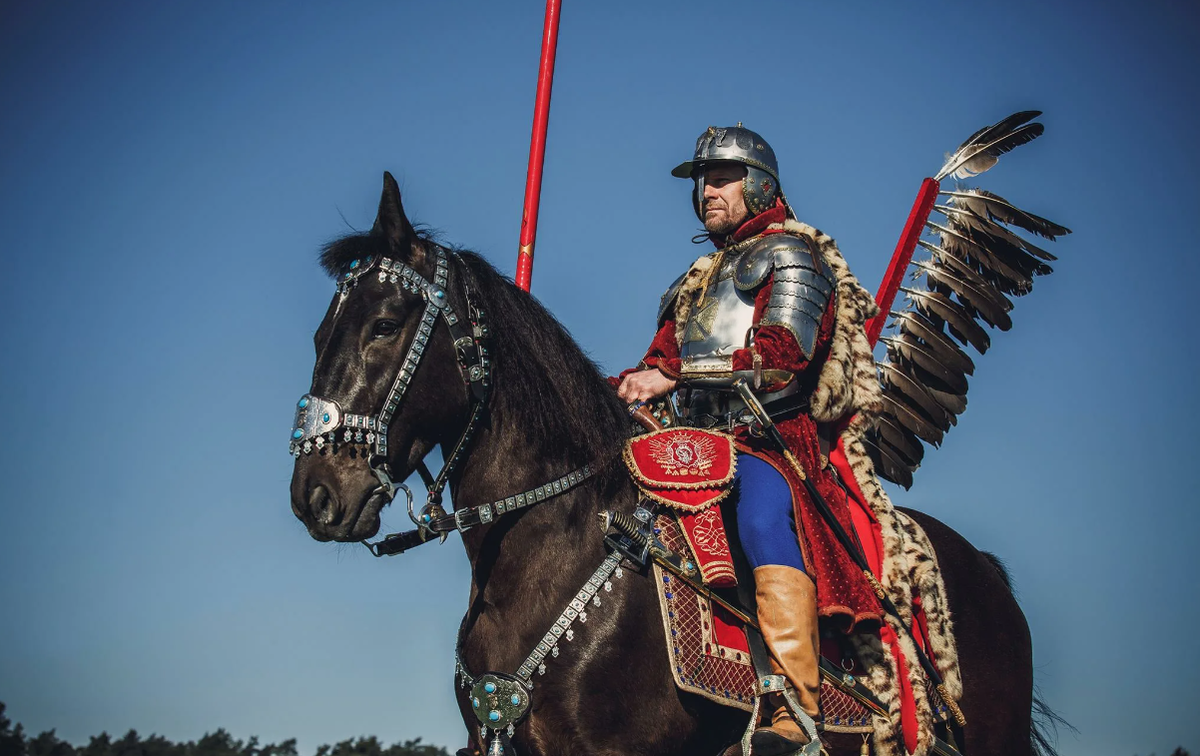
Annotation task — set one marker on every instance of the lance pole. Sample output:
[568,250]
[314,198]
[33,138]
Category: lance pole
[902,257]
[537,145]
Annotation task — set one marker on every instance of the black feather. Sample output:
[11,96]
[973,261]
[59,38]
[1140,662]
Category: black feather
[901,387]
[947,352]
[991,305]
[912,420]
[1006,278]
[987,204]
[1003,126]
[977,157]
[887,462]
[959,321]
[981,224]
[962,268]
[905,349]
[907,446]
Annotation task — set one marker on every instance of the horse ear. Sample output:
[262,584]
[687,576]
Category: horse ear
[391,221]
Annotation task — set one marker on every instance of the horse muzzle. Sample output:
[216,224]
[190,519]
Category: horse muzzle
[347,512]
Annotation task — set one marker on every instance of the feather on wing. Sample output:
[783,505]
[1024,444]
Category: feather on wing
[985,146]
[946,351]
[907,350]
[986,204]
[958,320]
[992,306]
[978,265]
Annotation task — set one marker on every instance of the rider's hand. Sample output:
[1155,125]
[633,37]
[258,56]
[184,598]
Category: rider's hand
[645,385]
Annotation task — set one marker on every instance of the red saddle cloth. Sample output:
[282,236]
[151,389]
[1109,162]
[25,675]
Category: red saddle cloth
[690,470]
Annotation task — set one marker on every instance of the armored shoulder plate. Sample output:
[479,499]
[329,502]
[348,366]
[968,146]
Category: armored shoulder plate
[801,289]
[757,262]
[668,298]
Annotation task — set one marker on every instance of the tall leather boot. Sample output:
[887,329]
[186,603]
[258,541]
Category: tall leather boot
[787,615]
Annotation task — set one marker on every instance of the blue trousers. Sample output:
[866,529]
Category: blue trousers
[766,522]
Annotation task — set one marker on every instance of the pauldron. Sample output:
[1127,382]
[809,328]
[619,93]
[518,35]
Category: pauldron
[801,289]
[668,299]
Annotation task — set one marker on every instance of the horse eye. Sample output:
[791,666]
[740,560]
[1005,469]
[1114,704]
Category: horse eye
[384,328]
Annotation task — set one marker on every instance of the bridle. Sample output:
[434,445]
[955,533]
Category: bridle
[499,700]
[321,421]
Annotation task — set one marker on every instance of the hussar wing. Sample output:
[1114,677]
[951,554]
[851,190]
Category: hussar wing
[977,260]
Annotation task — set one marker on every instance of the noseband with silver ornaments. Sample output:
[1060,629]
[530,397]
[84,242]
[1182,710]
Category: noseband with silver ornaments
[321,421]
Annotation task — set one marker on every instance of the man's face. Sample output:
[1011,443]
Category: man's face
[724,206]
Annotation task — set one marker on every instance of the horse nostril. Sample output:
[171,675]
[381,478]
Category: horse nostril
[323,506]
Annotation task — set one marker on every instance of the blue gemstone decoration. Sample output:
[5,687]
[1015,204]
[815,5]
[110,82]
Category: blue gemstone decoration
[488,687]
[348,276]
[429,518]
[516,700]
[302,403]
[688,566]
[668,594]
[439,294]
[494,715]
[766,683]
[354,265]
[325,417]
[298,433]
[475,703]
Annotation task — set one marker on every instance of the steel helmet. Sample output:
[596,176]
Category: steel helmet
[735,144]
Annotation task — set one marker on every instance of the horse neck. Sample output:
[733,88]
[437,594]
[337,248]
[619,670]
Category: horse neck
[526,565]
[505,460]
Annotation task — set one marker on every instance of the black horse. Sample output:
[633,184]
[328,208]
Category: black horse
[550,411]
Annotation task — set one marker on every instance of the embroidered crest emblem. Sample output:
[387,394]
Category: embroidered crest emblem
[679,454]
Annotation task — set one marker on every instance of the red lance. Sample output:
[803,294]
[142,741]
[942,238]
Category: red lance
[537,145]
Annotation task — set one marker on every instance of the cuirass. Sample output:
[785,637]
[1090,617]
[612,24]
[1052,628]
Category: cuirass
[720,322]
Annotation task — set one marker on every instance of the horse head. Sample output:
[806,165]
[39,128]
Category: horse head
[388,384]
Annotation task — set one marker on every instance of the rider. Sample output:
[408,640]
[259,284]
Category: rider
[776,305]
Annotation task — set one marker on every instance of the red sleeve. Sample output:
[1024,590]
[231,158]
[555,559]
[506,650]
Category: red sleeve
[662,354]
[777,345]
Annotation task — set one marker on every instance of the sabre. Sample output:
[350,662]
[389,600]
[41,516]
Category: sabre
[537,145]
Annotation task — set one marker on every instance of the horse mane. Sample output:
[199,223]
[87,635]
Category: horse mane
[542,381]
[1002,568]
[545,381]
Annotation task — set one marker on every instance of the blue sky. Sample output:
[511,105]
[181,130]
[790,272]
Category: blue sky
[170,171]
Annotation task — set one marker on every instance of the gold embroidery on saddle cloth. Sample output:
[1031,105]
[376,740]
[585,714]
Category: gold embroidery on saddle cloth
[684,455]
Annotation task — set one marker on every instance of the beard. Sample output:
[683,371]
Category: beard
[723,224]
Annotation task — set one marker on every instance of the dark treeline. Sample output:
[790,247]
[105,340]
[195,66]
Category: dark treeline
[14,742]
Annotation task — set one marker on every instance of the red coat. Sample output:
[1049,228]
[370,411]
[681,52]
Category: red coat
[843,593]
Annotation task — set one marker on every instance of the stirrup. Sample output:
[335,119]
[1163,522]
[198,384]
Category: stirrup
[766,685]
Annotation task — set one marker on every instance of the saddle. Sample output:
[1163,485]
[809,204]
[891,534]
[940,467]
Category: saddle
[688,473]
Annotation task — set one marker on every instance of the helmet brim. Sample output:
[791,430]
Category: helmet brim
[684,170]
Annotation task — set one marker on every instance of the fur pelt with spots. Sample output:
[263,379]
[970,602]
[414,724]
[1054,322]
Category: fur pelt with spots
[848,385]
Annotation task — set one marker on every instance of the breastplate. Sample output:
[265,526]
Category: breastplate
[719,324]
